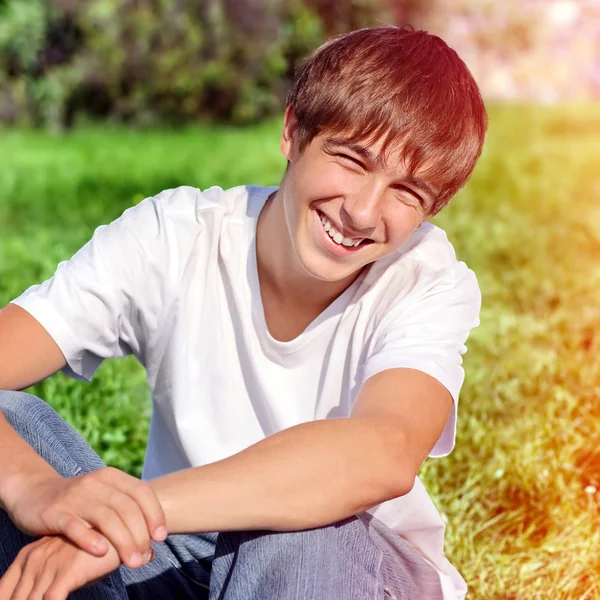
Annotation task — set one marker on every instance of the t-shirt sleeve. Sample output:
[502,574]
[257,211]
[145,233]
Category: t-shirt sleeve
[106,301]
[429,334]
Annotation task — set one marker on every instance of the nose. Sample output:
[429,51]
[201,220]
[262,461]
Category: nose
[361,208]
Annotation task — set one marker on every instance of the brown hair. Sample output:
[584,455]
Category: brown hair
[402,85]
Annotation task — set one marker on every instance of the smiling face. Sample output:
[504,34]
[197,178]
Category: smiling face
[370,204]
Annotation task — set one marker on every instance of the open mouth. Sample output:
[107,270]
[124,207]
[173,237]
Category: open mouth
[338,238]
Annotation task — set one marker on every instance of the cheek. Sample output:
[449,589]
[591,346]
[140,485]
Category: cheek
[323,180]
[401,221]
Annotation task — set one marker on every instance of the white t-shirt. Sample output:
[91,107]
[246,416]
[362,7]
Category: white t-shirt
[174,281]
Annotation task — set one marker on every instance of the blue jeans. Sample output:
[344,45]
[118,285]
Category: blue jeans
[355,559]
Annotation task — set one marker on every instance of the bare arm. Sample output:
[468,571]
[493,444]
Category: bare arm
[318,472]
[28,354]
[304,476]
[37,498]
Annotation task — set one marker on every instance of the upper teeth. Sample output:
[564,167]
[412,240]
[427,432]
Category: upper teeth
[336,236]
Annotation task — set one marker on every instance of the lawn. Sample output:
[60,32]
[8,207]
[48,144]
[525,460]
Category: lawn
[520,492]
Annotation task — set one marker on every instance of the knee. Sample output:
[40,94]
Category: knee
[14,402]
[321,543]
[20,407]
[336,561]
[47,433]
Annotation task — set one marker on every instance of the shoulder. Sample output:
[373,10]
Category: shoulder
[425,268]
[430,247]
[211,206]
[192,201]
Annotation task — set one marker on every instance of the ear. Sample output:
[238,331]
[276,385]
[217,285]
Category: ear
[289,134]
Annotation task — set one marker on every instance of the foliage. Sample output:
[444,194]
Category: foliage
[520,491]
[159,61]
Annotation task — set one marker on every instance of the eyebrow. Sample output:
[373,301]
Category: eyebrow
[370,157]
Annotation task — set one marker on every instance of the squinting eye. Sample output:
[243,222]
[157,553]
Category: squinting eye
[407,197]
[351,159]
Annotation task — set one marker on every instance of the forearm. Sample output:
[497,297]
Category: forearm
[18,463]
[306,476]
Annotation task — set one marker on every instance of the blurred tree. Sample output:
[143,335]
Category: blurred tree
[412,12]
[339,16]
[37,42]
[160,61]
[22,36]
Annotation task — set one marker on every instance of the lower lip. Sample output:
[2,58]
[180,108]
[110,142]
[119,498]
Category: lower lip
[337,249]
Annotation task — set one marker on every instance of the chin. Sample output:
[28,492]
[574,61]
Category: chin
[325,265]
[327,270]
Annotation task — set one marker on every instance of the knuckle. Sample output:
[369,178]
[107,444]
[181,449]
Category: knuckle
[23,553]
[106,515]
[81,486]
[110,511]
[94,481]
[142,490]
[132,514]
[148,494]
[53,593]
[50,515]
[83,483]
[110,472]
[36,553]
[70,525]
[144,487]
[123,503]
[93,478]
[114,528]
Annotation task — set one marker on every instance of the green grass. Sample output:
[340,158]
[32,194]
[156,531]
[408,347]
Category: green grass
[521,524]
[54,191]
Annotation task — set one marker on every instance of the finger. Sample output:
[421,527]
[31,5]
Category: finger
[24,563]
[64,583]
[110,524]
[57,591]
[67,574]
[146,499]
[131,514]
[153,511]
[101,517]
[9,581]
[82,534]
[42,583]
[55,587]
[27,578]
[75,575]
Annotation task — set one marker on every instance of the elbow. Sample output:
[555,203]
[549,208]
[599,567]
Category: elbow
[390,468]
[400,472]
[395,480]
[400,480]
[403,483]
[385,488]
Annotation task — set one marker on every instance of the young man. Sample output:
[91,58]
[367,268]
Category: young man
[303,345]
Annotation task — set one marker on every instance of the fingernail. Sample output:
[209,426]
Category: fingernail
[99,546]
[137,560]
[148,556]
[160,534]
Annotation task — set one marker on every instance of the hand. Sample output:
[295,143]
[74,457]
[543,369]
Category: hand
[51,568]
[124,509]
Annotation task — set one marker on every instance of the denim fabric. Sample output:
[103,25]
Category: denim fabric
[355,559]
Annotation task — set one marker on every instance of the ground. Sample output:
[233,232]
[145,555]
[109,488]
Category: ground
[520,491]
